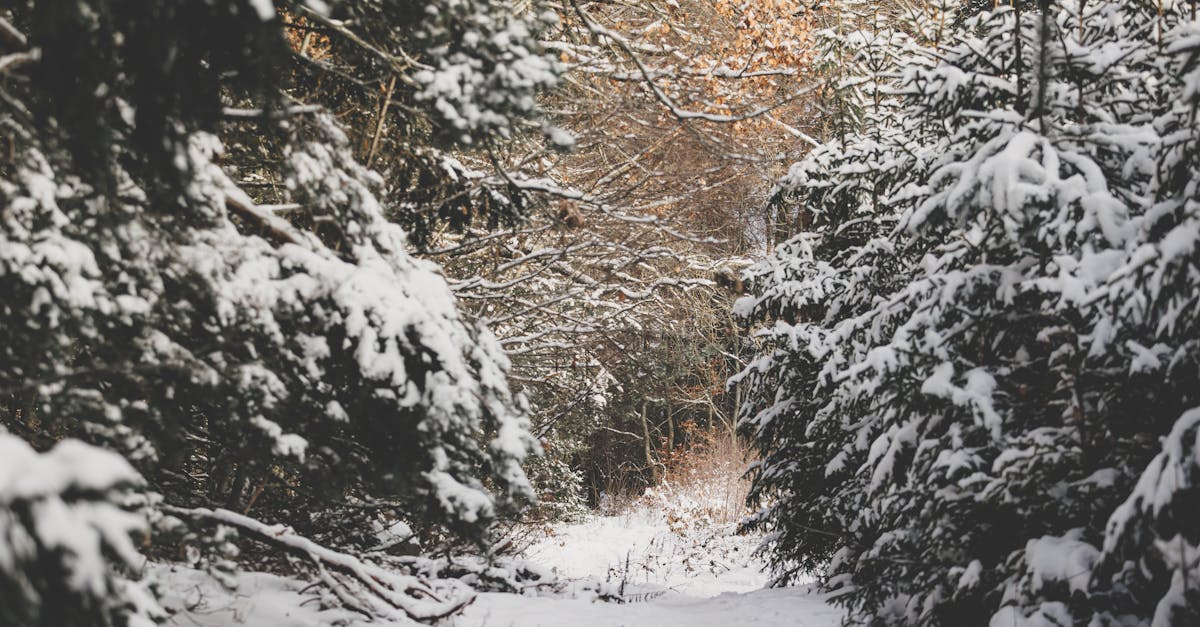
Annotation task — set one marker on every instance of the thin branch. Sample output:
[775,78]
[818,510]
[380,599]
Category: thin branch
[680,113]
[238,112]
[12,38]
[10,62]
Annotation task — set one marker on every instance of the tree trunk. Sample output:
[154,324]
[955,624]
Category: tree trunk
[649,449]
[737,413]
[670,430]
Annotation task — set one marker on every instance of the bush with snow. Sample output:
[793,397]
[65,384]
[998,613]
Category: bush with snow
[67,539]
[195,331]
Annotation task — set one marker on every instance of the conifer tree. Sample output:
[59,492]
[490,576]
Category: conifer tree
[954,439]
[309,372]
[827,275]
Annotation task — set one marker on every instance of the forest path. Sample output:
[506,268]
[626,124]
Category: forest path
[698,575]
[780,606]
[674,566]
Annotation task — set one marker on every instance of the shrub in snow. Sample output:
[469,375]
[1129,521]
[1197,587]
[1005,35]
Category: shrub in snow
[972,358]
[65,537]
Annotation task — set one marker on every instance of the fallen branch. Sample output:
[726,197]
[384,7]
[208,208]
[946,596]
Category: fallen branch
[363,587]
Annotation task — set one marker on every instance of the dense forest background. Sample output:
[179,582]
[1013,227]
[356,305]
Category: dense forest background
[361,291]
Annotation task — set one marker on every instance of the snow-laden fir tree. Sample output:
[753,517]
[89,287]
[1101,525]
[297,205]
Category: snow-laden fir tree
[956,437]
[321,377]
[1148,311]
[828,273]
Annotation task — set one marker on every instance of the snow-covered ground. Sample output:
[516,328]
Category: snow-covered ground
[789,607]
[194,599]
[642,546]
[670,572]
[690,574]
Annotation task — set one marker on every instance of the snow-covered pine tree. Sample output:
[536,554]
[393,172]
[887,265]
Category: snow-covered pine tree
[981,416]
[320,377]
[65,534]
[839,64]
[830,273]
[1147,312]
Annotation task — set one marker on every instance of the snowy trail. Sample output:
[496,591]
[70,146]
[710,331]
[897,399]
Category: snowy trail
[692,578]
[787,606]
[699,576]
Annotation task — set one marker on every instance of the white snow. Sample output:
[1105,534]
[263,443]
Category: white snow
[693,575]
[793,607]
[264,8]
[194,599]
[675,572]
[1068,559]
[642,546]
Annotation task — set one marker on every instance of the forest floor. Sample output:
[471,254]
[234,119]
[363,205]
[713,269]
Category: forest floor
[697,573]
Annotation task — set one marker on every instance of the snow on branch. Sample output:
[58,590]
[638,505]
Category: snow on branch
[240,112]
[375,592]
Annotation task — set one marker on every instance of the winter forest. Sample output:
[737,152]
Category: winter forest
[659,312]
